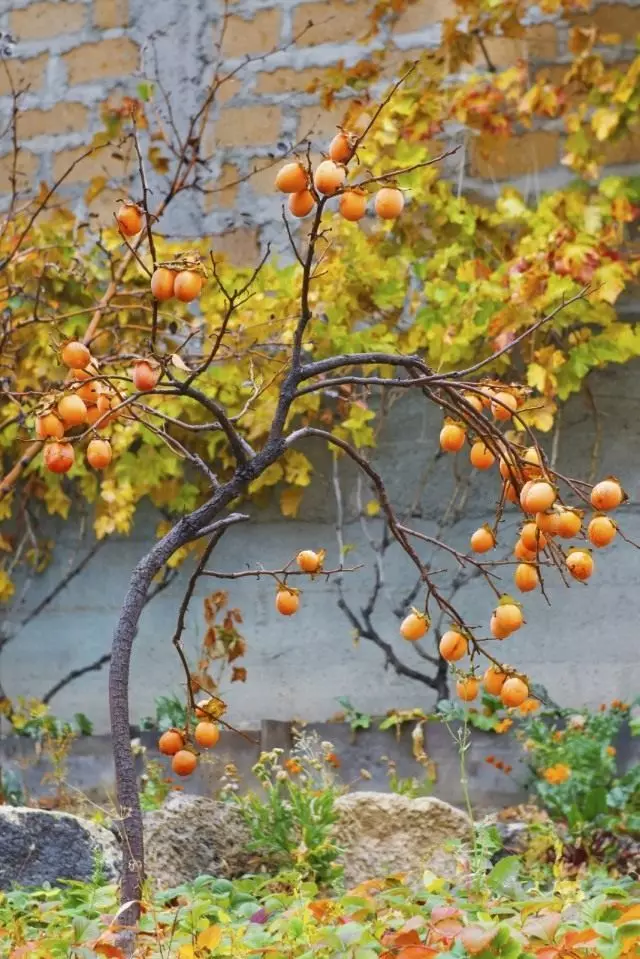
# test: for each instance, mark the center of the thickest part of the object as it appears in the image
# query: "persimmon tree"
(216, 405)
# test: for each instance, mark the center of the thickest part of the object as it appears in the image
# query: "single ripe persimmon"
(508, 469)
(162, 283)
(532, 537)
(452, 437)
(606, 495)
(171, 742)
(548, 522)
(291, 178)
(353, 205)
(89, 391)
(568, 523)
(514, 691)
(537, 497)
(482, 540)
(301, 204)
(497, 629)
(75, 355)
(414, 626)
(389, 203)
(580, 564)
(329, 177)
(287, 602)
(206, 735)
(509, 616)
(526, 577)
(308, 561)
(467, 688)
(532, 462)
(72, 410)
(503, 405)
(93, 415)
(601, 531)
(184, 762)
(474, 401)
(49, 425)
(481, 456)
(58, 457)
(521, 552)
(493, 680)
(453, 646)
(187, 285)
(341, 148)
(145, 376)
(99, 454)
(129, 218)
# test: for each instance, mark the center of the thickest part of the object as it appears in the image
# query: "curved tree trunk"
(187, 529)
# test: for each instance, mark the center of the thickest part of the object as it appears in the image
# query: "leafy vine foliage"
(113, 379)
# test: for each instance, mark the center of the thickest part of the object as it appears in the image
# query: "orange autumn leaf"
(416, 952)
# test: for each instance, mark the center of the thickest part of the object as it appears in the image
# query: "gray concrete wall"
(584, 648)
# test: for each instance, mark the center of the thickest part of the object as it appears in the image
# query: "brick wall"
(77, 55)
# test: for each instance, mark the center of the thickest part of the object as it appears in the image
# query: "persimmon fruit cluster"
(306, 186)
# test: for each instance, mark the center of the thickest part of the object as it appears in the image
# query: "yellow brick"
(239, 247)
(248, 126)
(423, 14)
(99, 163)
(110, 13)
(102, 206)
(24, 73)
(63, 118)
(316, 123)
(258, 35)
(287, 80)
(517, 156)
(612, 18)
(224, 190)
(332, 21)
(625, 150)
(26, 169)
(228, 90)
(538, 43)
(41, 20)
(264, 173)
(96, 61)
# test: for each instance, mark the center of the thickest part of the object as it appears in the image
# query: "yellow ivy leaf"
(272, 475)
(209, 938)
(604, 122)
(7, 589)
(187, 952)
(5, 544)
(96, 186)
(372, 508)
(290, 500)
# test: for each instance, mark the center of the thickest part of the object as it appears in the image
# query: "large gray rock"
(385, 833)
(37, 846)
(190, 836)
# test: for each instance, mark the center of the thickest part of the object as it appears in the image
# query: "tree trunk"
(185, 530)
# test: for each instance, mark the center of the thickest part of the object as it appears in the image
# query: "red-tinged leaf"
(397, 939)
(416, 952)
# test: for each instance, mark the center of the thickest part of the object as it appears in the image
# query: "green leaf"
(504, 873)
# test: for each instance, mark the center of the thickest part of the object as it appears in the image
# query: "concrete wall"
(79, 56)
(584, 648)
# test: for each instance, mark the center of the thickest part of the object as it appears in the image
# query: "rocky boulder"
(38, 846)
(190, 836)
(385, 833)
